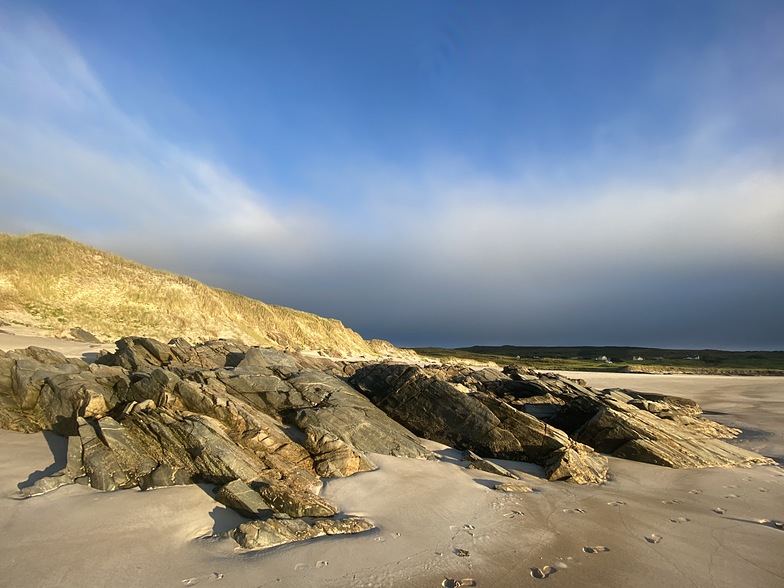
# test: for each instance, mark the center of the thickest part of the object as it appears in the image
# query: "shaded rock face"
(558, 423)
(478, 421)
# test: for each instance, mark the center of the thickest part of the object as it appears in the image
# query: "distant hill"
(60, 285)
(621, 359)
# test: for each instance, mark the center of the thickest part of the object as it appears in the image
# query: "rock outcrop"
(558, 423)
(265, 426)
(440, 410)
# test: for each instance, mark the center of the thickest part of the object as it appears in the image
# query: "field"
(620, 359)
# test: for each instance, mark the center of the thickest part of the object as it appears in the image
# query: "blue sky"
(448, 173)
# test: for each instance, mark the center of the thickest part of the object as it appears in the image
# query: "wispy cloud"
(71, 161)
(442, 253)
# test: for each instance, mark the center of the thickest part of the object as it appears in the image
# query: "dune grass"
(58, 284)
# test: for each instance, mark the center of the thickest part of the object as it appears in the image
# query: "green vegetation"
(57, 284)
(620, 359)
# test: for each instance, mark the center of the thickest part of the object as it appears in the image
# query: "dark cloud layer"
(626, 245)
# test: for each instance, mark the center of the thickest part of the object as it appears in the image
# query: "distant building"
(603, 358)
(637, 358)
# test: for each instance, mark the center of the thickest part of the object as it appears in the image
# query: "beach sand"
(437, 521)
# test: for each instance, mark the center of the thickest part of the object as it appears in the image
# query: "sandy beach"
(437, 522)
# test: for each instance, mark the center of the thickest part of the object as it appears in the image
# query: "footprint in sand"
(673, 501)
(653, 538)
(574, 510)
(461, 552)
(322, 563)
(543, 572)
(732, 496)
(730, 486)
(762, 489)
(719, 510)
(596, 549)
(452, 583)
(680, 520)
(616, 503)
(695, 491)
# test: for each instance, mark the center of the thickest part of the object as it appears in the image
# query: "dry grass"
(59, 284)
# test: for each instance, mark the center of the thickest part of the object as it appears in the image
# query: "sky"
(445, 173)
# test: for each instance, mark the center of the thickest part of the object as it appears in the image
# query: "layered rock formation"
(265, 426)
(548, 419)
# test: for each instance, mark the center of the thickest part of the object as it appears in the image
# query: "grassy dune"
(57, 284)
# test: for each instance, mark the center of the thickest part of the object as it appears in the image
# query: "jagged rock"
(103, 470)
(250, 427)
(93, 405)
(436, 410)
(143, 354)
(65, 395)
(338, 408)
(477, 463)
(257, 358)
(164, 476)
(346, 526)
(131, 457)
(517, 487)
(238, 496)
(273, 532)
(333, 457)
(641, 436)
(576, 463)
(29, 375)
(192, 442)
(295, 503)
(158, 386)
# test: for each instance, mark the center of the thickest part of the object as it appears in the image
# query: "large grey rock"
(640, 435)
(333, 457)
(439, 410)
(436, 410)
(257, 358)
(240, 497)
(193, 442)
(295, 503)
(339, 409)
(101, 465)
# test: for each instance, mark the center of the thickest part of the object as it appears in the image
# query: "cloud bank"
(684, 250)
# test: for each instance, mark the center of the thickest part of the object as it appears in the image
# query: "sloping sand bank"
(648, 526)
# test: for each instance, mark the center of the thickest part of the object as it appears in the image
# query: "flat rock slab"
(273, 532)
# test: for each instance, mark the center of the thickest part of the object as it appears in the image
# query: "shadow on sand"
(59, 448)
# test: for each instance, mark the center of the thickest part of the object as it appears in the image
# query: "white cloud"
(72, 162)
(420, 247)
